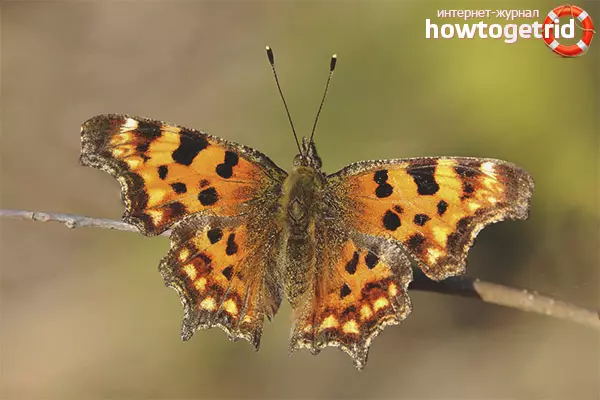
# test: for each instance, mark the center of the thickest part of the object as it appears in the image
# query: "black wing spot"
(204, 183)
(398, 209)
(352, 264)
(391, 220)
(231, 158)
(442, 206)
(228, 272)
(208, 197)
(345, 291)
(468, 189)
(214, 235)
(384, 190)
(421, 219)
(371, 260)
(142, 147)
(425, 180)
(148, 130)
(188, 149)
(179, 187)
(381, 176)
(224, 171)
(163, 170)
(232, 246)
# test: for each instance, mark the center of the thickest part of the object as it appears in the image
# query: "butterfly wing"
(224, 270)
(434, 206)
(361, 289)
(219, 197)
(168, 172)
(377, 214)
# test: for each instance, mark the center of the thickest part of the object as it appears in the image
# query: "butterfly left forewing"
(434, 206)
(168, 172)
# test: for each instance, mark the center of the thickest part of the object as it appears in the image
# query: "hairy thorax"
(301, 194)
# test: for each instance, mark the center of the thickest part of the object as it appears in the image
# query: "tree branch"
(458, 286)
(71, 221)
(506, 296)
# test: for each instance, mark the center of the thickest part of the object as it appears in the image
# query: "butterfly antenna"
(272, 62)
(331, 69)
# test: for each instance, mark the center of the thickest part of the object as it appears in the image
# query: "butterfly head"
(308, 156)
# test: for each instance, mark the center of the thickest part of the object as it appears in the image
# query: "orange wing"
(361, 292)
(434, 206)
(167, 172)
(224, 272)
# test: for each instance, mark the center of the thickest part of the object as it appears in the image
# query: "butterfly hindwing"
(363, 290)
(167, 171)
(434, 206)
(225, 275)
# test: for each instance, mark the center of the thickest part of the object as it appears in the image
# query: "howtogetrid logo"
(550, 31)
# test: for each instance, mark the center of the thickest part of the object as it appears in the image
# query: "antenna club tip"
(333, 62)
(270, 55)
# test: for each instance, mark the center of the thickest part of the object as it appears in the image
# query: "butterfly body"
(340, 247)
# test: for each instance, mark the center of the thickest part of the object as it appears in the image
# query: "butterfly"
(339, 247)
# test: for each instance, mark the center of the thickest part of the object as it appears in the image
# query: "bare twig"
(71, 220)
(519, 299)
(459, 286)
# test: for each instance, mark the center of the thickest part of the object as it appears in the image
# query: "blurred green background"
(84, 313)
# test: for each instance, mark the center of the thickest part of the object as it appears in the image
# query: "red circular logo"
(574, 12)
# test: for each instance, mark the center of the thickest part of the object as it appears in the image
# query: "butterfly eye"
(300, 160)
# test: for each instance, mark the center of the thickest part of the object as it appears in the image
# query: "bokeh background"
(84, 313)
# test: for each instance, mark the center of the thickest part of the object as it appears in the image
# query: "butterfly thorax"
(301, 192)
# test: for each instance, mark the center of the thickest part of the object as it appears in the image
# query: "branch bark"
(487, 292)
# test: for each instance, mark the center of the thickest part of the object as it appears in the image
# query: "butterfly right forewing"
(434, 206)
